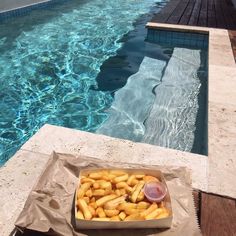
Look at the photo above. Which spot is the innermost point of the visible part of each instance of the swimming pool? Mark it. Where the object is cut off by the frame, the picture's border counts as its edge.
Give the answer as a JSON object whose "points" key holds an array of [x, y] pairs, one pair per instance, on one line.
{"points": [[49, 60], [65, 65]]}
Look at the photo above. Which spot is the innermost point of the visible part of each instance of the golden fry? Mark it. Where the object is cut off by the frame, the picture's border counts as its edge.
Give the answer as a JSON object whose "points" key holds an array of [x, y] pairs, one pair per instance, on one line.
{"points": [[162, 215], [137, 190], [130, 211], [80, 193], [139, 176], [89, 193], [103, 200], [125, 205], [96, 175], [121, 178], [85, 180], [122, 191], [83, 188], [100, 212], [140, 196], [86, 199], [93, 205], [111, 213], [149, 178], [134, 217], [99, 192], [92, 210], [117, 192], [79, 215], [143, 205], [111, 205], [122, 215], [134, 182], [108, 191], [96, 185], [84, 208], [115, 218], [105, 185], [154, 214], [130, 179], [93, 199], [86, 186], [124, 185], [121, 185], [149, 210]]}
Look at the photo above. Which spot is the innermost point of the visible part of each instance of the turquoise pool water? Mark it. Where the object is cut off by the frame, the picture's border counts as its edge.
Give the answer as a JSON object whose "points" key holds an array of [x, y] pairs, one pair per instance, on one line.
{"points": [[49, 61]]}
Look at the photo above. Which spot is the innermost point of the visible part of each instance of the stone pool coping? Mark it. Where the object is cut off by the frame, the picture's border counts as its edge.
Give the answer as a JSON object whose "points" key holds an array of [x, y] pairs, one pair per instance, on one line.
{"points": [[215, 173], [221, 162], [11, 5]]}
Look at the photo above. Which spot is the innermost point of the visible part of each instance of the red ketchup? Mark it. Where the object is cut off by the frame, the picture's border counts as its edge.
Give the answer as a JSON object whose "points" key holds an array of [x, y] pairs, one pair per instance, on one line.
{"points": [[155, 191]]}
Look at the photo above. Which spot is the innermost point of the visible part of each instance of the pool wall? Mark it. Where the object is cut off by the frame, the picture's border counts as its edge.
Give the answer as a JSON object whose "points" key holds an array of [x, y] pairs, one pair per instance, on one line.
{"points": [[13, 8], [178, 38]]}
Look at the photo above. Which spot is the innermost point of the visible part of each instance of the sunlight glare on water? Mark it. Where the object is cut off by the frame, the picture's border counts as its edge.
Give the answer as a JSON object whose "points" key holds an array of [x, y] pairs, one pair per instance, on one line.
{"points": [[49, 61]]}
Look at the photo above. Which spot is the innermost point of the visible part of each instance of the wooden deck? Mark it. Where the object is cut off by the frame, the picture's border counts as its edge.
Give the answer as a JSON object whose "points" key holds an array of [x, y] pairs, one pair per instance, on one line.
{"points": [[217, 215], [207, 13]]}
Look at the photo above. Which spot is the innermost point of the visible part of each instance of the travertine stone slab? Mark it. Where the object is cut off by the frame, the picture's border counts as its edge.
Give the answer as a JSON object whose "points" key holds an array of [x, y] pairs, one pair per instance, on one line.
{"points": [[222, 81], [221, 55], [7, 5], [222, 161], [66, 140], [17, 177]]}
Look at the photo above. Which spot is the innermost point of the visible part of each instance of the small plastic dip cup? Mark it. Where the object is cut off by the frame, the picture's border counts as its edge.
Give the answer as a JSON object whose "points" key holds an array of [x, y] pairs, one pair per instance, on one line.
{"points": [[155, 191]]}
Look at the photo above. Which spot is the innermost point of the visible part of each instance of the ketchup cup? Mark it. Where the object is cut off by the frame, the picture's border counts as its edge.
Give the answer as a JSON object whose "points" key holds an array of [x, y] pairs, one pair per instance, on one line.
{"points": [[155, 191]]}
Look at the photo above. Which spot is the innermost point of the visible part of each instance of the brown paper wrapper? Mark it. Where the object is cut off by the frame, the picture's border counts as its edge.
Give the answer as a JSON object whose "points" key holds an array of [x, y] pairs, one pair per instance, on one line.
{"points": [[49, 207]]}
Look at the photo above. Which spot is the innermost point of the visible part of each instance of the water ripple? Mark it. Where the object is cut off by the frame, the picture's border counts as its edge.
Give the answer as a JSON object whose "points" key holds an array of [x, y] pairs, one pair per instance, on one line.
{"points": [[50, 59]]}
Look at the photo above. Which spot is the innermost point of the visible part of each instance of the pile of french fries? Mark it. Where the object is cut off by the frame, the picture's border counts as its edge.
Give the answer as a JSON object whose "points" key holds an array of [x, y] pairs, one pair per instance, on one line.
{"points": [[114, 195]]}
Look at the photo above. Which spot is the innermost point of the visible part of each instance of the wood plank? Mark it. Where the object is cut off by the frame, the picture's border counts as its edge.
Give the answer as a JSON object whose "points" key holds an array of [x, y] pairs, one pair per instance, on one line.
{"points": [[178, 12], [202, 20], [227, 13], [166, 12], [219, 15], [195, 13], [218, 215], [187, 13], [211, 14], [232, 35], [197, 200]]}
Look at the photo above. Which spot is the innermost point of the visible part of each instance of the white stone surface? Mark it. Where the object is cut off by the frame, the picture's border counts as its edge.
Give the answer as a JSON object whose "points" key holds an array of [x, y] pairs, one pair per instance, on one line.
{"points": [[7, 5], [17, 178], [66, 140]]}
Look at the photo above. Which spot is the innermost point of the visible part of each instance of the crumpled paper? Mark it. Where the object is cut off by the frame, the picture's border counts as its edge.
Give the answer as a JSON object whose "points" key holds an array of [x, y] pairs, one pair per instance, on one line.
{"points": [[49, 207]]}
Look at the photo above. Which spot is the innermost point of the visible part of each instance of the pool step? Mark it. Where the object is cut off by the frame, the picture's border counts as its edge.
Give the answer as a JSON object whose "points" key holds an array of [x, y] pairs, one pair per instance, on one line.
{"points": [[133, 102], [171, 122]]}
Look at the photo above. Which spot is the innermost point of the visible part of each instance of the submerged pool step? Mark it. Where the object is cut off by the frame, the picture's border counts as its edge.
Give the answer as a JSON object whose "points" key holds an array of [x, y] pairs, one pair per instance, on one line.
{"points": [[133, 103], [171, 122], [159, 109]]}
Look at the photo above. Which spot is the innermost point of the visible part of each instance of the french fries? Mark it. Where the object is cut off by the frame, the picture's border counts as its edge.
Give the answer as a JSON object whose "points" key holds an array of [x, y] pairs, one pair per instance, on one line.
{"points": [[84, 208], [137, 190], [114, 195], [113, 204]]}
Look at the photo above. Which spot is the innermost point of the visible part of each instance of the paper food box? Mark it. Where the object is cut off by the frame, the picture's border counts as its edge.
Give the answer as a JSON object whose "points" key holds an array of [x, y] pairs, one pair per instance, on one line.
{"points": [[117, 198]]}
